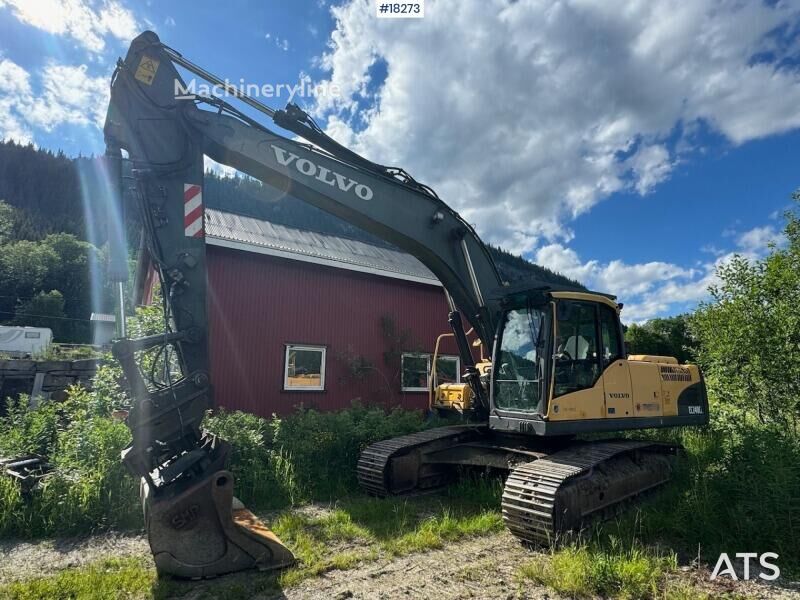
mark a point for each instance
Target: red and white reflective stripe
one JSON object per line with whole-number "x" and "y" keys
{"x": 192, "y": 210}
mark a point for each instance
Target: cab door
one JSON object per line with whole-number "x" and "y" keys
{"x": 616, "y": 370}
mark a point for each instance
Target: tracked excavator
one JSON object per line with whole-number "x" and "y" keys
{"x": 556, "y": 364}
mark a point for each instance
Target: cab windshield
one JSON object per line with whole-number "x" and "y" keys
{"x": 521, "y": 361}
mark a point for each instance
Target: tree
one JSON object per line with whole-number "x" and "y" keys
{"x": 749, "y": 336}
{"x": 663, "y": 337}
{"x": 58, "y": 262}
{"x": 24, "y": 265}
{"x": 80, "y": 276}
{"x": 7, "y": 222}
{"x": 44, "y": 310}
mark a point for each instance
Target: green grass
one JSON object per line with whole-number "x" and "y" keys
{"x": 111, "y": 578}
{"x": 354, "y": 531}
{"x": 366, "y": 528}
{"x": 584, "y": 571}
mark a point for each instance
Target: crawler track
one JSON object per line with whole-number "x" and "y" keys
{"x": 395, "y": 466}
{"x": 547, "y": 497}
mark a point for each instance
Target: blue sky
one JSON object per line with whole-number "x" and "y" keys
{"x": 633, "y": 147}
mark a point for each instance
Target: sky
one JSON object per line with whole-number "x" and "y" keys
{"x": 634, "y": 146}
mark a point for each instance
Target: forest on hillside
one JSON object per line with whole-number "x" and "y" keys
{"x": 53, "y": 215}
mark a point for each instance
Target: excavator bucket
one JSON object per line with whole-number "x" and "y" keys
{"x": 204, "y": 532}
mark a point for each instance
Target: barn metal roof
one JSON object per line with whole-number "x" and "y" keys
{"x": 255, "y": 235}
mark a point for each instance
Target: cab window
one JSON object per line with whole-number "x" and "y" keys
{"x": 577, "y": 359}
{"x": 609, "y": 332}
{"x": 518, "y": 383}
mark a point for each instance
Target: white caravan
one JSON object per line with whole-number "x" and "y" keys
{"x": 21, "y": 342}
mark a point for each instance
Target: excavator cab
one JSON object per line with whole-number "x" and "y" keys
{"x": 560, "y": 368}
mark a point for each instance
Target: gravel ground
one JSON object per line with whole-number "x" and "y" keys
{"x": 476, "y": 568}
{"x": 22, "y": 560}
{"x": 482, "y": 568}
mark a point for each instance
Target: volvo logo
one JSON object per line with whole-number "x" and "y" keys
{"x": 332, "y": 178}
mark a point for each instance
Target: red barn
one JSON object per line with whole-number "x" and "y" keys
{"x": 303, "y": 318}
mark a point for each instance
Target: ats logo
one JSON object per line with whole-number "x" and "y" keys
{"x": 725, "y": 566}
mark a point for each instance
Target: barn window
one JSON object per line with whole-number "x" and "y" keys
{"x": 416, "y": 371}
{"x": 304, "y": 368}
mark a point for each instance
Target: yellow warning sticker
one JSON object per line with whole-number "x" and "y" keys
{"x": 147, "y": 70}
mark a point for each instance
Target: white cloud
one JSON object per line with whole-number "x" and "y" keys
{"x": 757, "y": 240}
{"x": 615, "y": 277}
{"x": 655, "y": 288}
{"x": 14, "y": 80}
{"x": 647, "y": 289}
{"x": 86, "y": 22}
{"x": 523, "y": 115}
{"x": 650, "y": 166}
{"x": 70, "y": 95}
{"x": 65, "y": 94}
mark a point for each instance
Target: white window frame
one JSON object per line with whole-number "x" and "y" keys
{"x": 449, "y": 357}
{"x": 429, "y": 360}
{"x": 306, "y": 388}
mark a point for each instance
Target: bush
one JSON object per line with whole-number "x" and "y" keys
{"x": 24, "y": 431}
{"x": 308, "y": 455}
{"x": 323, "y": 447}
{"x": 261, "y": 477}
{"x": 748, "y": 337}
{"x": 738, "y": 488}
{"x": 89, "y": 488}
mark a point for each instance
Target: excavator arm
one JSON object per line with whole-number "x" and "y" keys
{"x": 194, "y": 525}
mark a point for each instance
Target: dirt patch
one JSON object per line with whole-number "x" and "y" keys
{"x": 477, "y": 568}
{"x": 483, "y": 567}
{"x": 480, "y": 568}
{"x": 23, "y": 560}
